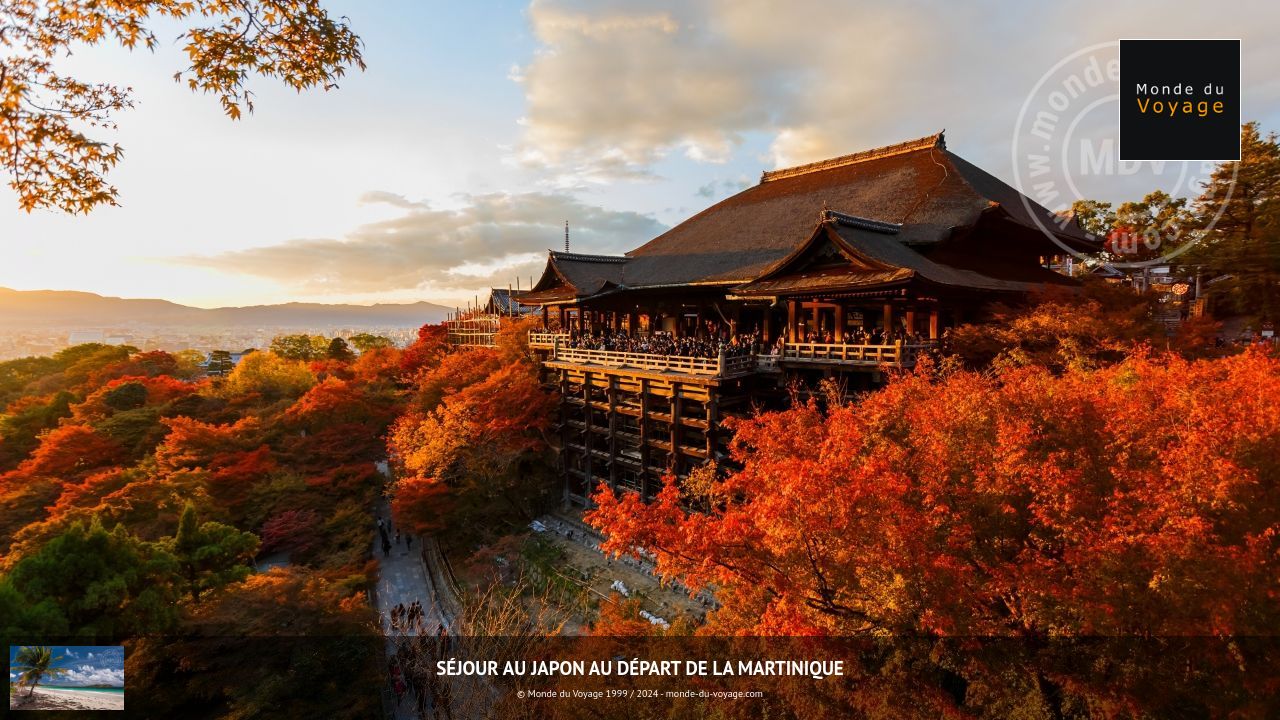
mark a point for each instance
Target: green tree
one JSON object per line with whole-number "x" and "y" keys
{"x": 92, "y": 581}
{"x": 220, "y": 363}
{"x": 1094, "y": 216}
{"x": 339, "y": 350}
{"x": 126, "y": 396}
{"x": 209, "y": 554}
{"x": 1152, "y": 226}
{"x": 364, "y": 342}
{"x": 190, "y": 364}
{"x": 268, "y": 375}
{"x": 46, "y": 116}
{"x": 22, "y": 423}
{"x": 300, "y": 347}
{"x": 1242, "y": 248}
{"x": 33, "y": 663}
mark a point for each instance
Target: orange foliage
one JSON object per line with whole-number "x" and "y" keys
{"x": 193, "y": 444}
{"x": 455, "y": 371}
{"x": 426, "y": 351}
{"x": 159, "y": 390}
{"x": 478, "y": 430}
{"x": 1134, "y": 499}
{"x": 68, "y": 452}
{"x": 1060, "y": 327}
{"x": 420, "y": 504}
{"x": 620, "y": 617}
{"x": 235, "y": 472}
{"x": 377, "y": 365}
{"x": 336, "y": 402}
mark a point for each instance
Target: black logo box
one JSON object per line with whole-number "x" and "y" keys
{"x": 1187, "y": 68}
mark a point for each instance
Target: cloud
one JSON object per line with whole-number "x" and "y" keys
{"x": 617, "y": 85}
{"x": 90, "y": 675}
{"x": 719, "y": 188}
{"x": 489, "y": 240}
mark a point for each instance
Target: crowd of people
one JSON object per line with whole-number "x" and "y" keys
{"x": 863, "y": 336}
{"x": 704, "y": 345}
{"x": 412, "y": 672}
{"x": 407, "y": 618}
{"x": 384, "y": 530}
{"x": 711, "y": 344}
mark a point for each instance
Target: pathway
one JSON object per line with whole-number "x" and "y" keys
{"x": 402, "y": 579}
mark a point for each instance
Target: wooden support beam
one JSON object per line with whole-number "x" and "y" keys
{"x": 564, "y": 431}
{"x": 933, "y": 323}
{"x": 586, "y": 436}
{"x": 713, "y": 424}
{"x": 888, "y": 319}
{"x": 677, "y": 409}
{"x": 646, "y": 490}
{"x": 613, "y": 431}
{"x": 838, "y": 335}
{"x": 793, "y": 331}
{"x": 911, "y": 321}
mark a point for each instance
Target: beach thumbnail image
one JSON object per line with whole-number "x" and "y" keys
{"x": 66, "y": 677}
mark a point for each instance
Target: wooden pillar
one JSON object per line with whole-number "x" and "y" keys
{"x": 646, "y": 490}
{"x": 615, "y": 321}
{"x": 888, "y": 318}
{"x": 713, "y": 423}
{"x": 588, "y": 424}
{"x": 766, "y": 331}
{"x": 581, "y": 321}
{"x": 933, "y": 323}
{"x": 613, "y": 432}
{"x": 792, "y": 330}
{"x": 564, "y": 433}
{"x": 546, "y": 317}
{"x": 677, "y": 409}
{"x": 911, "y": 321}
{"x": 633, "y": 323}
{"x": 839, "y": 329}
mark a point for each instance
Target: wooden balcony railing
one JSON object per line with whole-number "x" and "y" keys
{"x": 897, "y": 354}
{"x": 547, "y": 340}
{"x": 644, "y": 361}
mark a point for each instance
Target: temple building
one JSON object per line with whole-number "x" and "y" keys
{"x": 836, "y": 269}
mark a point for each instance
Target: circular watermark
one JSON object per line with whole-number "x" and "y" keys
{"x": 1066, "y": 148}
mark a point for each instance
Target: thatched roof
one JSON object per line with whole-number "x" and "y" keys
{"x": 919, "y": 185}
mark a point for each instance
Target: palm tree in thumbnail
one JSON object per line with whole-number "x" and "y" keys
{"x": 33, "y": 663}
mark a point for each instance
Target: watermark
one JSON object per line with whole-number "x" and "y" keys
{"x": 1066, "y": 148}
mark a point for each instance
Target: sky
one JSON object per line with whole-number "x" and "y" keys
{"x": 451, "y": 164}
{"x": 84, "y": 665}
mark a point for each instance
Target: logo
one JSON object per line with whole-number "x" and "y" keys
{"x": 1180, "y": 100}
{"x": 1066, "y": 148}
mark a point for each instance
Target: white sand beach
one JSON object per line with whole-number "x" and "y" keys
{"x": 63, "y": 699}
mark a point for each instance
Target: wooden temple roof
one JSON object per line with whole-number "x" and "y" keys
{"x": 846, "y": 252}
{"x": 928, "y": 193}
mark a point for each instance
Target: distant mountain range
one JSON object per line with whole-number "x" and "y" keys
{"x": 20, "y": 309}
